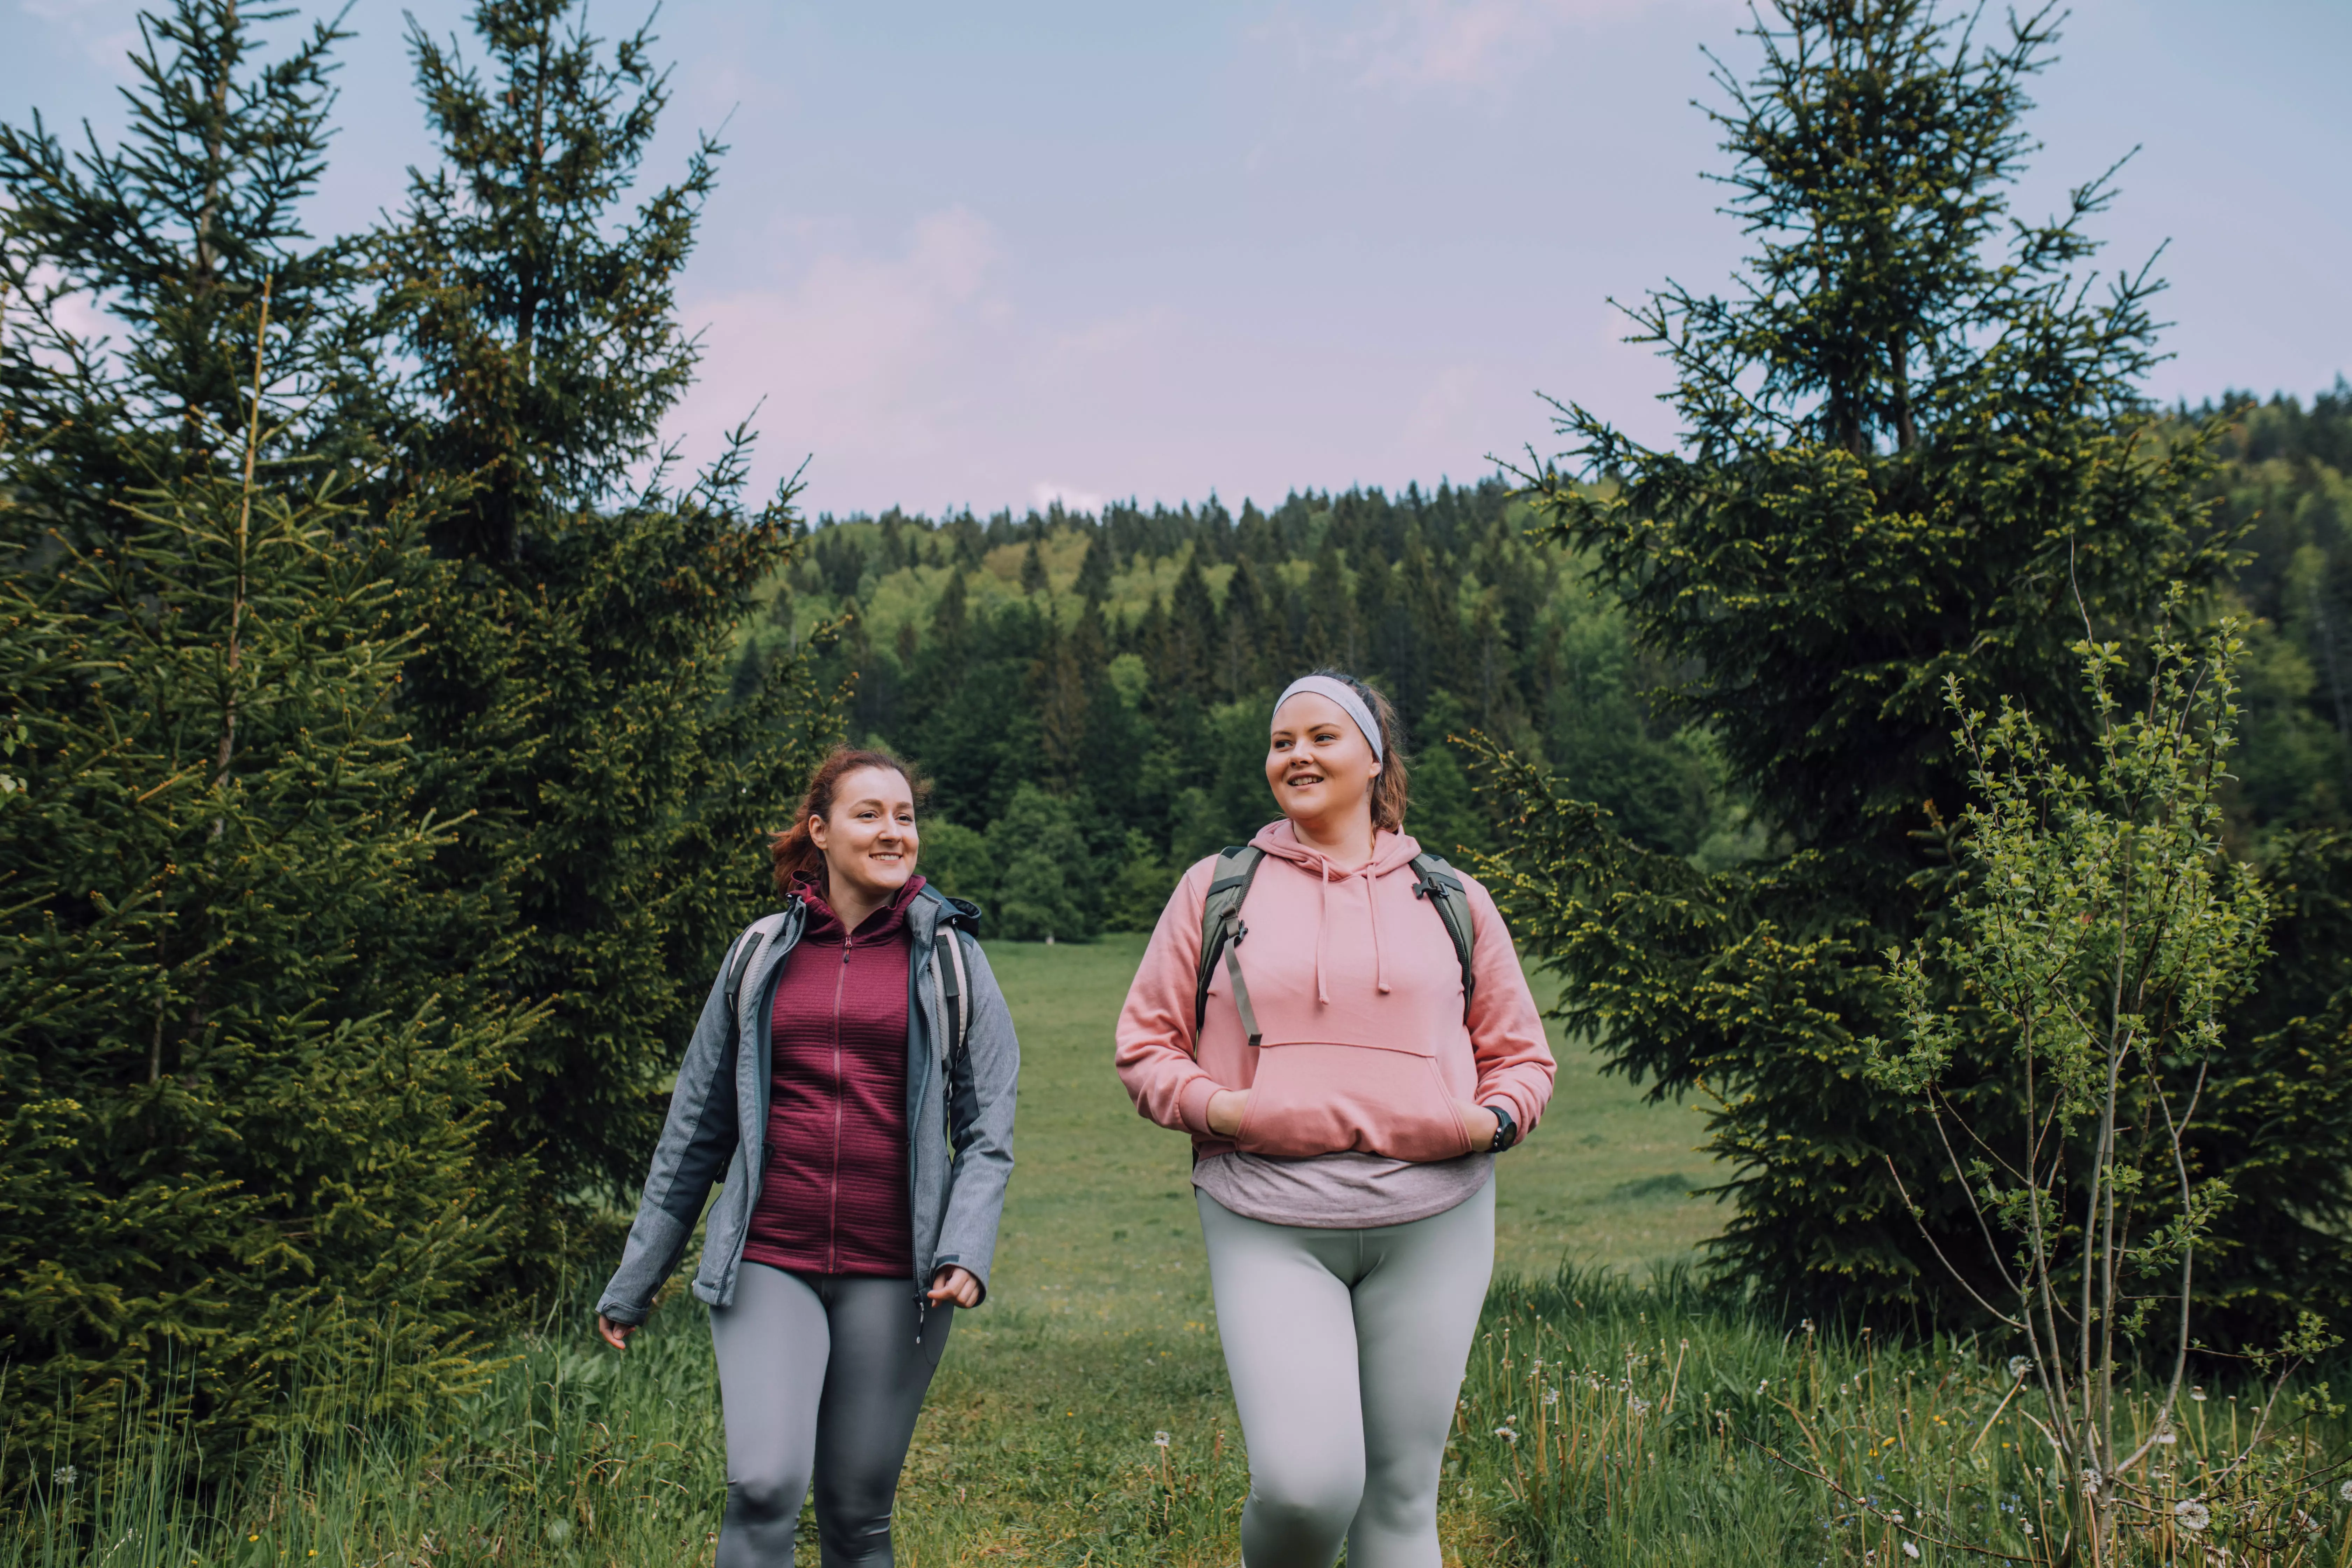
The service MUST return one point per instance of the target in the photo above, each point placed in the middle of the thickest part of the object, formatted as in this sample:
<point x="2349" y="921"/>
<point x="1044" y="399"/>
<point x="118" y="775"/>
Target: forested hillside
<point x="1089" y="692"/>
<point x="2286" y="482"/>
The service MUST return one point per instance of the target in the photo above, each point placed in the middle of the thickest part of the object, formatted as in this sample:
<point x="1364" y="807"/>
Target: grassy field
<point x="1038" y="1442"/>
<point x="1612" y="1415"/>
<point x="1081" y="1416"/>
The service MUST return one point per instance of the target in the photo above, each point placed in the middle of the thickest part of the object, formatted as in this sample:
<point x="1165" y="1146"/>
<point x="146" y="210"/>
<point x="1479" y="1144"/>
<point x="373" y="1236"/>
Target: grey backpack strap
<point x="755" y="939"/>
<point x="1436" y="881"/>
<point x="951" y="983"/>
<point x="1221" y="933"/>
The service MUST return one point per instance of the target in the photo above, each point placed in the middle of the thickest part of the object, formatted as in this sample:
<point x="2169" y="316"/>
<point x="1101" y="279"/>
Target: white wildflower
<point x="1506" y="1434"/>
<point x="1909" y="1549"/>
<point x="1159" y="1439"/>
<point x="65" y="1475"/>
<point x="2018" y="1367"/>
<point x="2344" y="1491"/>
<point x="2192" y="1515"/>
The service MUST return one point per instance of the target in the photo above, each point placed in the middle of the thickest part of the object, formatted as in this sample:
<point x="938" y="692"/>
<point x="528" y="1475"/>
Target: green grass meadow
<point x="1613" y="1414"/>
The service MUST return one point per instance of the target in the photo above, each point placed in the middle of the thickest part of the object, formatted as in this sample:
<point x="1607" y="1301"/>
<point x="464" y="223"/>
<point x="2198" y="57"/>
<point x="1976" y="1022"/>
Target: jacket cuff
<point x="1192" y="1105"/>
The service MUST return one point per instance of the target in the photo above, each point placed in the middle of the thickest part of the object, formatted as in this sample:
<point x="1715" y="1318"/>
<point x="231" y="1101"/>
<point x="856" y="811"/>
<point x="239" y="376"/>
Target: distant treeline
<point x="1088" y="694"/>
<point x="2286" y="481"/>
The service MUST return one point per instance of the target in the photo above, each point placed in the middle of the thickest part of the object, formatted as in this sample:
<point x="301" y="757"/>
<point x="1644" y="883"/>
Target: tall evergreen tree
<point x="565" y="706"/>
<point x="240" y="1127"/>
<point x="1914" y="448"/>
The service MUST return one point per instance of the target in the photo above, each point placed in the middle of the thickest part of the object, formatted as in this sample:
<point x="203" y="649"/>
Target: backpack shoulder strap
<point x="748" y="949"/>
<point x="1221" y="932"/>
<point x="1442" y="885"/>
<point x="951" y="980"/>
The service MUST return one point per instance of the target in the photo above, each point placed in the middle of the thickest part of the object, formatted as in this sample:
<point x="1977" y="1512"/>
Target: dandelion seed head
<point x="1159" y="1439"/>
<point x="65" y="1475"/>
<point x="1909" y="1549"/>
<point x="2192" y="1515"/>
<point x="2019" y="1366"/>
<point x="1506" y="1434"/>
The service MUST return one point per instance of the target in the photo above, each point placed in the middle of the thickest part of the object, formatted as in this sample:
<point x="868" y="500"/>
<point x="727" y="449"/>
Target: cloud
<point x="105" y="31"/>
<point x="1416" y="44"/>
<point x="1045" y="493"/>
<point x="853" y="356"/>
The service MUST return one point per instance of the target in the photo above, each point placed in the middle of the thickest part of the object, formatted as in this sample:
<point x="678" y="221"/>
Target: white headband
<point x="1338" y="692"/>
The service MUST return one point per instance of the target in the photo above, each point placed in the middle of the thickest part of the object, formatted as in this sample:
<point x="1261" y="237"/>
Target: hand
<point x="1480" y="1124"/>
<point x="1227" y="1109"/>
<point x="954" y="1284"/>
<point x="616" y="1334"/>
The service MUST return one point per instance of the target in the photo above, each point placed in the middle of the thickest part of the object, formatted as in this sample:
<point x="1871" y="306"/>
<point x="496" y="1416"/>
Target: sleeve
<point x="697" y="1140"/>
<point x="984" y="1081"/>
<point x="1154" y="1038"/>
<point x="1506" y="1031"/>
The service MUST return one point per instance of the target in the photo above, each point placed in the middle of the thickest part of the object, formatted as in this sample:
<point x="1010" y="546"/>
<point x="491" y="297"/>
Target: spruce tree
<point x="240" y="1119"/>
<point x="567" y="703"/>
<point x="1914" y="448"/>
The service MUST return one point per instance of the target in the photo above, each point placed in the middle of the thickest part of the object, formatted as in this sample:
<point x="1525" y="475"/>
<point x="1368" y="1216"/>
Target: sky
<point x="993" y="256"/>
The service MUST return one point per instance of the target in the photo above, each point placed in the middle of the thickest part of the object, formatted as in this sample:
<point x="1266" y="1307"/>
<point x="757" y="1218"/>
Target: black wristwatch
<point x="1506" y="1130"/>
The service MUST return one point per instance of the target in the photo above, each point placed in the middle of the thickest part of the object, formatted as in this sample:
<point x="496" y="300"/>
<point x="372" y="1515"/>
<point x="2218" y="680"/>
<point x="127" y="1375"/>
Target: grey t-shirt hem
<point x="1341" y="1192"/>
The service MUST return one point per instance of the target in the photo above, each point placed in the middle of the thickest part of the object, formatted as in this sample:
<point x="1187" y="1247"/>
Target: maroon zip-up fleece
<point x="833" y="1199"/>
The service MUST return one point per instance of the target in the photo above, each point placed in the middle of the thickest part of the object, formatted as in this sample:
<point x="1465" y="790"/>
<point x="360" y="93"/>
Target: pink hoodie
<point x="1359" y="996"/>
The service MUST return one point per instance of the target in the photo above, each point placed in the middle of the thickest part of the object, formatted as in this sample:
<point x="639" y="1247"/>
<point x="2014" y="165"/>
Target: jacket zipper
<point x="833" y="1184"/>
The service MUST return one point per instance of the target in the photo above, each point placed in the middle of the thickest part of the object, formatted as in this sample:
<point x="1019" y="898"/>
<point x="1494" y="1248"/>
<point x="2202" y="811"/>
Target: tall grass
<point x="567" y="1456"/>
<point x="1603" y="1423"/>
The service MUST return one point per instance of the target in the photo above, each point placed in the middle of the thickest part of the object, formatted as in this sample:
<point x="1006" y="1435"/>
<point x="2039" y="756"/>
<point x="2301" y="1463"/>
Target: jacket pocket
<point x="1311" y="1099"/>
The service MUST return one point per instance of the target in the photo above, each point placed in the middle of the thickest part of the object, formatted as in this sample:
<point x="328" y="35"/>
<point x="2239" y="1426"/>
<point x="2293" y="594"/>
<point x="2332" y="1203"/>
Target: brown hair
<point x="1388" y="792"/>
<point x="798" y="860"/>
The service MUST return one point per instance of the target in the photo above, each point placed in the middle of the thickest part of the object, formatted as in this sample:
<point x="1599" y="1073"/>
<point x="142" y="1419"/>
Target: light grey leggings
<point x="818" y="1373"/>
<point x="1347" y="1348"/>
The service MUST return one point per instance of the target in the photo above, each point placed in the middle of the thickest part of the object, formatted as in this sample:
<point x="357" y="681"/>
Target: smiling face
<point x="869" y="839"/>
<point x="1319" y="764"/>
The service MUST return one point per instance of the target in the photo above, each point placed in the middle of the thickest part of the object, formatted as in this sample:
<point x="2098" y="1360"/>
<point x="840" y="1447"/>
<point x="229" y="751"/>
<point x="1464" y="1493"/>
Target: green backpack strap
<point x="1437" y="882"/>
<point x="1221" y="932"/>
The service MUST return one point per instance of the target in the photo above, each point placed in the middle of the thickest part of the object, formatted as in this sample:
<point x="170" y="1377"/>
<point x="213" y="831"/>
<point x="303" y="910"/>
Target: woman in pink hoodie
<point x="1343" y="1138"/>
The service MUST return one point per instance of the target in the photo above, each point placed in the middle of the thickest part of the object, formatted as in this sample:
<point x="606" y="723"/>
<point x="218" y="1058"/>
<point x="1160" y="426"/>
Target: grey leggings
<point x="1347" y="1348"/>
<point x="818" y="1373"/>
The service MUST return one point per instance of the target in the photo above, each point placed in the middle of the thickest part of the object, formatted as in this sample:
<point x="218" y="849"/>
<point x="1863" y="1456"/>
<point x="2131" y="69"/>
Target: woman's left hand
<point x="956" y="1285"/>
<point x="1480" y="1122"/>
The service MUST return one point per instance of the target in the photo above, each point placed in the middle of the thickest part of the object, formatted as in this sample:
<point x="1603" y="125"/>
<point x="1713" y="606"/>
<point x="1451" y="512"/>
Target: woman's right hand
<point x="1227" y="1109"/>
<point x="616" y="1334"/>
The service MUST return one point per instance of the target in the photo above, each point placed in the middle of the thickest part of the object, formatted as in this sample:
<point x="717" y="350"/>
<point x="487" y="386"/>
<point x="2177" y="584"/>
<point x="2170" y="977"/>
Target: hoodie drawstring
<point x="1323" y="880"/>
<point x="1322" y="924"/>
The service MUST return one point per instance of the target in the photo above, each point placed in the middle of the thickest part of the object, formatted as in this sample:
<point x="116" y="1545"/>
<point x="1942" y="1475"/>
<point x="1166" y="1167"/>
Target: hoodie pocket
<point x="1328" y="1100"/>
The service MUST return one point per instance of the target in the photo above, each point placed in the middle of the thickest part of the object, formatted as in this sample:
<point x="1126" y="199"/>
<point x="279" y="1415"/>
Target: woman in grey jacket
<point x="853" y="1077"/>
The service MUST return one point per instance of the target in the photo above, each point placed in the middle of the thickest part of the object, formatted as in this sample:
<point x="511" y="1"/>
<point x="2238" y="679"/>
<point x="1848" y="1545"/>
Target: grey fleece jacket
<point x="958" y="1119"/>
